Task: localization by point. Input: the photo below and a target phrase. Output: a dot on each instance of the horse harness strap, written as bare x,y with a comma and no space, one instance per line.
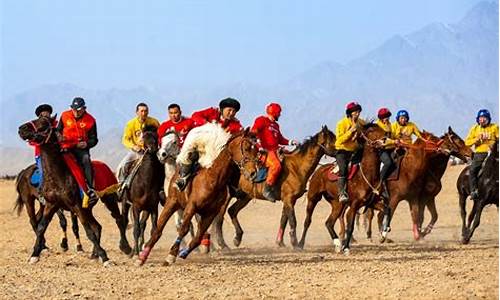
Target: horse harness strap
126,183
375,190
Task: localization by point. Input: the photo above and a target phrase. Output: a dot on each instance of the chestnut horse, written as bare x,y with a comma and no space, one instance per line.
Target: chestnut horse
363,188
488,193
206,194
297,168
61,189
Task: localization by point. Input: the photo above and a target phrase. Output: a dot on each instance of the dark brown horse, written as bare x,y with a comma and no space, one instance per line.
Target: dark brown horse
488,193
27,195
205,195
144,191
61,190
363,189
297,168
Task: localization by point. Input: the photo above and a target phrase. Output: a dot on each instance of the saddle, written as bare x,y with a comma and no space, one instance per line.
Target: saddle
262,172
36,177
332,173
395,173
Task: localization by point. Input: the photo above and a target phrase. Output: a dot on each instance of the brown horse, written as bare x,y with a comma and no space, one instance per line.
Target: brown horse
144,191
205,195
488,193
297,168
61,189
363,188
27,195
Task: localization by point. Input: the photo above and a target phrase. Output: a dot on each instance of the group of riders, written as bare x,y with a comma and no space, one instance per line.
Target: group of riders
78,134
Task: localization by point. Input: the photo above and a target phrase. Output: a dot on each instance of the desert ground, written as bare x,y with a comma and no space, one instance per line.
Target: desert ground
438,267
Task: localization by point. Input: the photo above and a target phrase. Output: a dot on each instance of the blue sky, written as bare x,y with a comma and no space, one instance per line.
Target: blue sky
125,44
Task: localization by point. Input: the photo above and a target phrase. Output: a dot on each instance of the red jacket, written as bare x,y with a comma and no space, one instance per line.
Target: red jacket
212,114
77,130
182,128
269,134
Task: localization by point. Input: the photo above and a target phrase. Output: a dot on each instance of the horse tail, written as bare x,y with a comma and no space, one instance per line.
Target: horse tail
18,207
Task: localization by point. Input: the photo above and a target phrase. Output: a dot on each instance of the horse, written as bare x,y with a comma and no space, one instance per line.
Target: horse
488,193
297,168
144,190
61,190
207,193
27,195
363,189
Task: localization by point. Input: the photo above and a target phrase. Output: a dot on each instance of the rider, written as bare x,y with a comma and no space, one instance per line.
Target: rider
176,123
482,136
43,110
225,116
132,138
270,138
79,134
387,147
403,129
348,149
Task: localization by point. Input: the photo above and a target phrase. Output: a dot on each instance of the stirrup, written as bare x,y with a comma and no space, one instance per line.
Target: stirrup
343,198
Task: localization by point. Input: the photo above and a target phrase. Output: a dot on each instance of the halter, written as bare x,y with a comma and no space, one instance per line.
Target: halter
46,133
243,161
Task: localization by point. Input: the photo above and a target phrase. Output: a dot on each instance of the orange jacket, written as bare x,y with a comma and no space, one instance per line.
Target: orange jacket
77,130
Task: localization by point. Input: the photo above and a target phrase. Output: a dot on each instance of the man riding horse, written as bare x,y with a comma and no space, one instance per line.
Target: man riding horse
225,116
270,138
78,135
177,123
481,136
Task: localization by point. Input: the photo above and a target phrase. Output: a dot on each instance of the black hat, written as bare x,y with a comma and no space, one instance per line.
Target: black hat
229,102
78,103
43,107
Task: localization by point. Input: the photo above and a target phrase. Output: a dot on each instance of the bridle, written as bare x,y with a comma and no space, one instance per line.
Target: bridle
46,133
245,159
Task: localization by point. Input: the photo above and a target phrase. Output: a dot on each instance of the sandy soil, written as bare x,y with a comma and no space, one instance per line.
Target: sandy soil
436,268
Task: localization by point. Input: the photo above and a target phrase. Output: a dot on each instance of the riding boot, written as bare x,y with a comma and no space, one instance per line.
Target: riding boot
342,187
385,192
269,193
184,174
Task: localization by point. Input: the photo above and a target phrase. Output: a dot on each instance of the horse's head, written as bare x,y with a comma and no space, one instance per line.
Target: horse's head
150,139
326,140
370,133
39,130
456,145
169,147
244,153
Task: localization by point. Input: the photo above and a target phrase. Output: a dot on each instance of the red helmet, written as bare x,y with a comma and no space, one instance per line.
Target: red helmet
352,107
273,109
384,113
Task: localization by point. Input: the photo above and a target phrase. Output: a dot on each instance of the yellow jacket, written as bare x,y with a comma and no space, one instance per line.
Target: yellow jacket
132,134
404,133
345,137
389,142
489,134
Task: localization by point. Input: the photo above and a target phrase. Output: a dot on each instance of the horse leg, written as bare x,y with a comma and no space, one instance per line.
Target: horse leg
76,233
311,205
137,230
154,220
203,225
431,206
462,197
217,227
350,216
477,219
97,228
142,226
233,213
110,201
281,230
168,210
368,223
414,217
189,212
48,213
293,222
91,228
64,226
338,210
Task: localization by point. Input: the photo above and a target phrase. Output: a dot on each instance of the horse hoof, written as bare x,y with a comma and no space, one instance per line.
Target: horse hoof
108,264
346,252
139,262
125,249
236,242
465,241
203,250
34,259
337,245
170,260
184,253
280,244
79,248
94,256
64,244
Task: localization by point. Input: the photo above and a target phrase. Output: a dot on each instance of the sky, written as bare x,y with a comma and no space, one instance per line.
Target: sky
126,44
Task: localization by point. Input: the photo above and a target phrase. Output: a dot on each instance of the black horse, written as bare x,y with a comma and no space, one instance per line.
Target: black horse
145,187
61,190
488,192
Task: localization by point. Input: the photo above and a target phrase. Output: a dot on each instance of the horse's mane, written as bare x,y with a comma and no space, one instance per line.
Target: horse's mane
209,140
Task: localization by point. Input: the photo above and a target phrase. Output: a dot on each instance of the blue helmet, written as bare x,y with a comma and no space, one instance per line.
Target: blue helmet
403,113
483,113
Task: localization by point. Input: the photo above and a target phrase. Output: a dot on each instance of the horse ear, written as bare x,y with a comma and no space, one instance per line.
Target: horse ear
53,118
450,131
247,130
